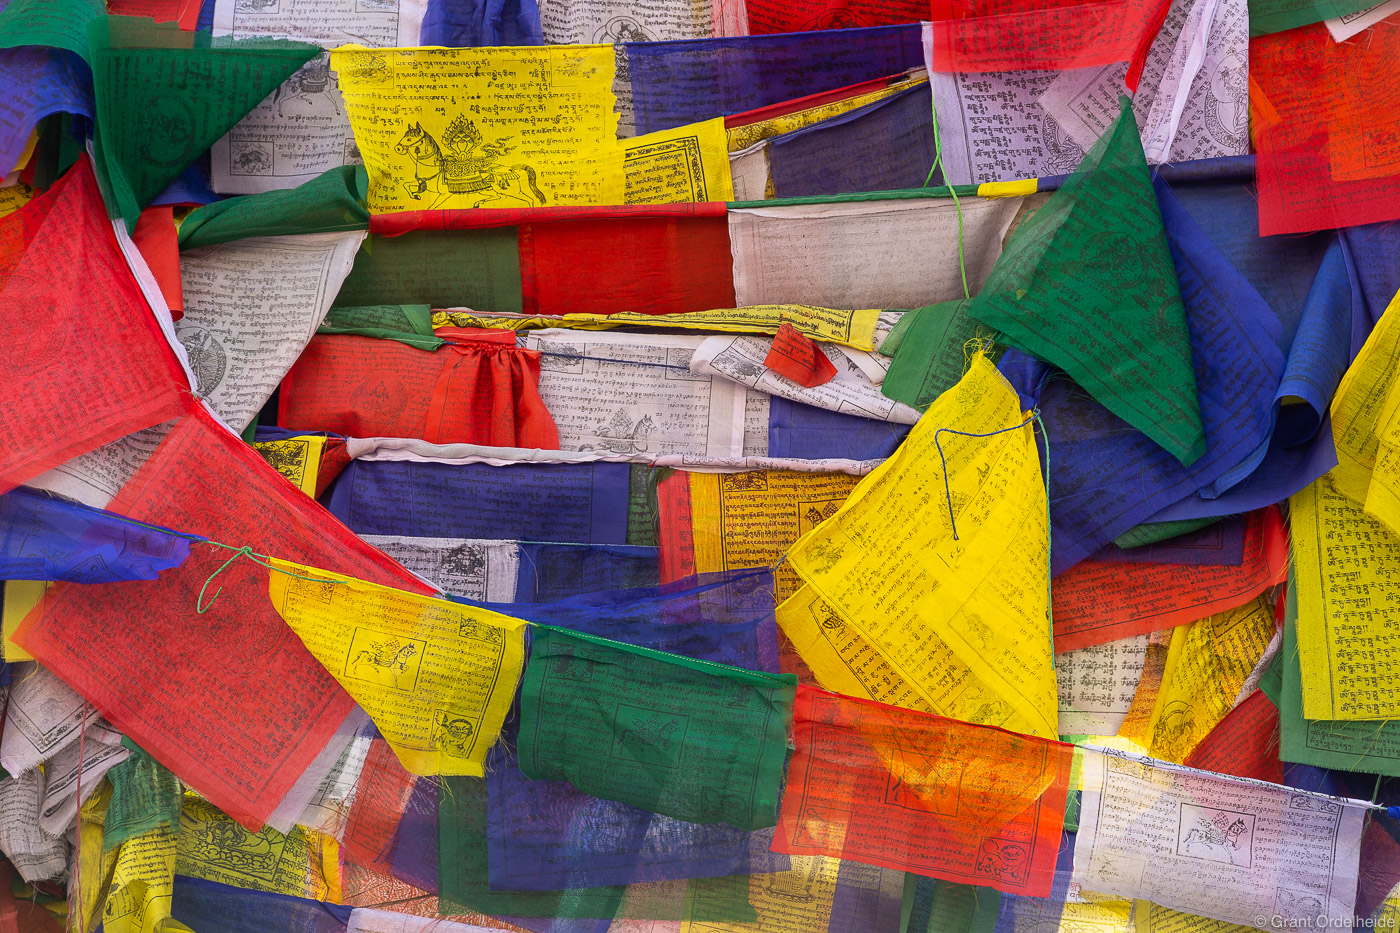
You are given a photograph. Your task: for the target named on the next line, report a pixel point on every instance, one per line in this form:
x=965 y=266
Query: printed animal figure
x=621 y=436
x=1005 y=860
x=255 y=6
x=1215 y=837
x=252 y=161
x=653 y=734
x=816 y=516
x=312 y=80
x=465 y=168
x=386 y=655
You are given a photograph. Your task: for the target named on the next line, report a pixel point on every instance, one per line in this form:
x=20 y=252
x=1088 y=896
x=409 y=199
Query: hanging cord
x=1034 y=420
x=957 y=205
x=259 y=559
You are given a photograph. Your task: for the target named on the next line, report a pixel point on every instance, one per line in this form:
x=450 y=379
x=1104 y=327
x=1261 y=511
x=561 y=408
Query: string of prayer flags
x=924 y=794
x=962 y=548
x=478 y=388
x=560 y=149
x=436 y=677
x=797 y=357
x=1319 y=164
x=1062 y=291
x=165 y=96
x=1147 y=597
x=697 y=741
x=74 y=380
x=1017 y=35
x=187 y=686
x=1276 y=857
x=46 y=538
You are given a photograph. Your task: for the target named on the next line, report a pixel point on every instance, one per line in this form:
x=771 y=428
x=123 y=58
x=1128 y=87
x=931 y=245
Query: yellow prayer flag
x=742 y=137
x=213 y=846
x=844 y=662
x=143 y=886
x=1348 y=580
x=1207 y=665
x=296 y=458
x=436 y=677
x=854 y=329
x=749 y=519
x=889 y=564
x=685 y=165
x=484 y=127
x=1366 y=423
x=21 y=596
x=13 y=197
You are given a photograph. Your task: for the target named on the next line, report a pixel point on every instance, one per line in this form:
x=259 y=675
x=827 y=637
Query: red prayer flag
x=797 y=356
x=1041 y=35
x=1326 y=159
x=773 y=16
x=471 y=391
x=159 y=242
x=1096 y=602
x=376 y=807
x=230 y=700
x=184 y=13
x=920 y=793
x=1244 y=743
x=676 y=536
x=82 y=359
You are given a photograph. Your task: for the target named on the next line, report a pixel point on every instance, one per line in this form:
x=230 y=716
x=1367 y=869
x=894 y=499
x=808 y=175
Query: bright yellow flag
x=1348 y=578
x=484 y=127
x=889 y=564
x=436 y=677
x=1366 y=423
x=685 y=165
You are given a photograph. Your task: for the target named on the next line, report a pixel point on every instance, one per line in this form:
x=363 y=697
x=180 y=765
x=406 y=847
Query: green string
x=957 y=204
x=259 y=559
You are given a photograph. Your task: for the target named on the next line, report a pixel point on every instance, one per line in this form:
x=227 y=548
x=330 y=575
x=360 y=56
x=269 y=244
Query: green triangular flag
x=59 y=24
x=165 y=96
x=1087 y=283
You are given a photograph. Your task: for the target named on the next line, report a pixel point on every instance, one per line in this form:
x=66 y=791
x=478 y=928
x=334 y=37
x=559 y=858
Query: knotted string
x=259 y=559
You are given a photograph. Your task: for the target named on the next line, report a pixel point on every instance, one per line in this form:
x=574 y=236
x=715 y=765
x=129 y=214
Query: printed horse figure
x=381 y=655
x=467 y=171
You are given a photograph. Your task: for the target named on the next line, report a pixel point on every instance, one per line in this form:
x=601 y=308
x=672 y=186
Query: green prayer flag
x=937 y=906
x=408 y=324
x=694 y=740
x=332 y=202
x=477 y=269
x=1271 y=681
x=643 y=508
x=1087 y=283
x=165 y=96
x=930 y=354
x=1152 y=532
x=59 y=24
x=1372 y=747
x=1266 y=16
x=145 y=796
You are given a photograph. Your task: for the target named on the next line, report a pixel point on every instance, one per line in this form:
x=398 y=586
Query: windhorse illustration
x=1217 y=839
x=466 y=167
x=621 y=436
x=386 y=655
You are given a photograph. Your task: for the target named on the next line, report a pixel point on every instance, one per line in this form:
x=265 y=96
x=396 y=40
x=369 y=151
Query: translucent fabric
x=328 y=203
x=1065 y=291
x=46 y=538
